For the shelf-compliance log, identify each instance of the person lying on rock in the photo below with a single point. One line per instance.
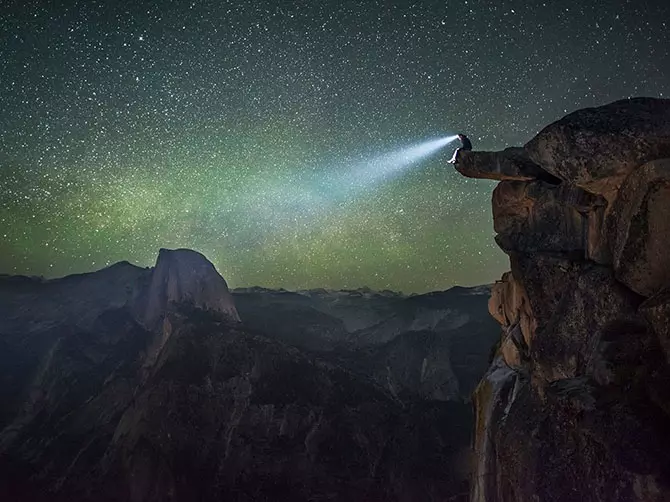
(466, 145)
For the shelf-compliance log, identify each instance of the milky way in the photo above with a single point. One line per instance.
(216, 126)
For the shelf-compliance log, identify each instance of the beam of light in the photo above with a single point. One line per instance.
(279, 204)
(389, 165)
(347, 181)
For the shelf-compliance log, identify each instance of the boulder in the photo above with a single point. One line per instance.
(639, 229)
(596, 148)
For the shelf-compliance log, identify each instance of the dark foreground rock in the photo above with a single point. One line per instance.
(576, 403)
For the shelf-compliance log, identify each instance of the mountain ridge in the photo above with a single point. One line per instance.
(101, 400)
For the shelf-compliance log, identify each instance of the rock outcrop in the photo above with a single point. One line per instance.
(185, 276)
(576, 403)
(511, 164)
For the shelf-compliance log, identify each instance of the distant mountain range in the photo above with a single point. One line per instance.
(150, 384)
(431, 346)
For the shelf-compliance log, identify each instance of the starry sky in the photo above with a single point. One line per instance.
(231, 127)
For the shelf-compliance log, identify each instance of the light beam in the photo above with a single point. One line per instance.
(392, 164)
(279, 204)
(347, 181)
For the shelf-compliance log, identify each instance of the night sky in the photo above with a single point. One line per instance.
(235, 127)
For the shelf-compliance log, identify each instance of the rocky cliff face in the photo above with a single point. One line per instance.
(576, 403)
(185, 276)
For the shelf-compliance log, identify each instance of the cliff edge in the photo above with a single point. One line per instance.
(576, 402)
